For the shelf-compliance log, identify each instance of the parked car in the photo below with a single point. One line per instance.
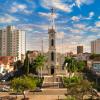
(5, 88)
(94, 91)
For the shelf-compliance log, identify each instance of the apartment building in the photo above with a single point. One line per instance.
(12, 42)
(79, 49)
(95, 46)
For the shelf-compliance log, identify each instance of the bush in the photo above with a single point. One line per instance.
(39, 82)
(73, 80)
(23, 83)
(93, 56)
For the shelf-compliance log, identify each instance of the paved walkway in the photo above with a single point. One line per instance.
(4, 94)
(46, 94)
(48, 97)
(43, 97)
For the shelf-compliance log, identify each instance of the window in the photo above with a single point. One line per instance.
(52, 56)
(52, 42)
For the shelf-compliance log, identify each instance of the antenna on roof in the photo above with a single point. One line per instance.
(52, 18)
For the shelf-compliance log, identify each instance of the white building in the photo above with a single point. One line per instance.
(12, 42)
(84, 56)
(95, 46)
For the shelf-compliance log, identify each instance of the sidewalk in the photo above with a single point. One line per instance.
(43, 97)
(47, 94)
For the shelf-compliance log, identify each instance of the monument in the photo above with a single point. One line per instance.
(52, 46)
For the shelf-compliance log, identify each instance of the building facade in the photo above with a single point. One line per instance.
(95, 46)
(83, 56)
(79, 49)
(12, 42)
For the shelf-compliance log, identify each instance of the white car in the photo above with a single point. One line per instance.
(5, 88)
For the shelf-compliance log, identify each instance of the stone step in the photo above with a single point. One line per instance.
(52, 79)
(52, 82)
(50, 85)
(52, 91)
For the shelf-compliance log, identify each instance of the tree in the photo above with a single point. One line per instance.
(26, 65)
(23, 83)
(80, 65)
(93, 56)
(72, 80)
(79, 88)
(39, 63)
(85, 87)
(71, 65)
(18, 64)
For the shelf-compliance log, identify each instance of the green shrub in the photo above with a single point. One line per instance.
(70, 98)
(73, 80)
(23, 83)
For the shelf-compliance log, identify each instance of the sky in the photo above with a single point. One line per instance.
(77, 22)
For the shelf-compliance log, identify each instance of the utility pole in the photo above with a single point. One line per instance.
(41, 53)
(42, 46)
(62, 45)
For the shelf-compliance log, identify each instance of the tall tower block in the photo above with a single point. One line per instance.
(52, 46)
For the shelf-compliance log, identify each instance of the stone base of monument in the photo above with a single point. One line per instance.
(52, 81)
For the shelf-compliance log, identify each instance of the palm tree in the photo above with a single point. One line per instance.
(71, 65)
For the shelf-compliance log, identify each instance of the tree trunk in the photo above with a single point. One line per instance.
(24, 95)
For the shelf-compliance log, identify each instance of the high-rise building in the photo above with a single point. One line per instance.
(12, 42)
(79, 49)
(95, 46)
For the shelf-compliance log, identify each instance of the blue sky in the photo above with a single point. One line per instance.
(77, 21)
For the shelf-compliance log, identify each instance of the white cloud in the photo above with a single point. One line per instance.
(97, 24)
(80, 17)
(30, 27)
(80, 26)
(91, 14)
(28, 12)
(95, 29)
(63, 7)
(75, 18)
(75, 31)
(8, 19)
(90, 38)
(20, 8)
(99, 17)
(81, 2)
(58, 4)
(78, 3)
(60, 35)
